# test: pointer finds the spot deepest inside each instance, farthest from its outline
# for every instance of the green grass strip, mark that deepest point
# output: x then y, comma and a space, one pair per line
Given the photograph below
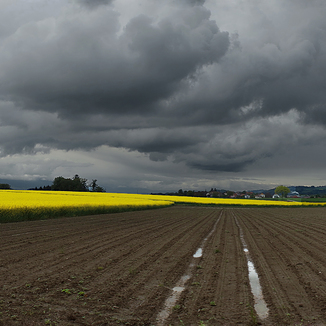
42, 213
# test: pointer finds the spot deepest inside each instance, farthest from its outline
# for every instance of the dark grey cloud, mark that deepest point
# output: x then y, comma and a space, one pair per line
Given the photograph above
83, 67
94, 3
217, 89
195, 2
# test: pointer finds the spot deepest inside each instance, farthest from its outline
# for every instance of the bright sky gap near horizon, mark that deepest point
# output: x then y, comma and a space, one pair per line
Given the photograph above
154, 96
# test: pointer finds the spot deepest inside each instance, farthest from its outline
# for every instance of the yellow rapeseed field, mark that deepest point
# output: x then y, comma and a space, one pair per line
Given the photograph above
235, 202
16, 205
20, 198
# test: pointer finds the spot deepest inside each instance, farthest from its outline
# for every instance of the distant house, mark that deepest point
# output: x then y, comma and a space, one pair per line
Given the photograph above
293, 194
247, 196
276, 196
262, 195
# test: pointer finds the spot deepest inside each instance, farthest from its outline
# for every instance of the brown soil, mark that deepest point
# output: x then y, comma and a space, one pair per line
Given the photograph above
120, 268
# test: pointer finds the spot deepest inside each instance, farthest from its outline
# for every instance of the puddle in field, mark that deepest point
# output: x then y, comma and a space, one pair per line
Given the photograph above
173, 298
198, 253
171, 301
260, 304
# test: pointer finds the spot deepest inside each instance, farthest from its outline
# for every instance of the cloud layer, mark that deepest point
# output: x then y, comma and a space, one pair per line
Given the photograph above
212, 86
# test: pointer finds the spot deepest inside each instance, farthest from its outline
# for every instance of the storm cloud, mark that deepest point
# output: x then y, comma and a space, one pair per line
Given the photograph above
94, 3
207, 85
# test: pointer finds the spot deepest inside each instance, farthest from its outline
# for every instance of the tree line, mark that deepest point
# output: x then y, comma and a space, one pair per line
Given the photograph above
72, 184
5, 186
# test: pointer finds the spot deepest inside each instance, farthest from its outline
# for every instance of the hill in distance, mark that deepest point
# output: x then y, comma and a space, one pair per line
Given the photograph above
302, 190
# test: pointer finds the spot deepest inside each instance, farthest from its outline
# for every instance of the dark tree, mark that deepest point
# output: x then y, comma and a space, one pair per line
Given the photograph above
79, 184
93, 184
99, 189
4, 186
67, 184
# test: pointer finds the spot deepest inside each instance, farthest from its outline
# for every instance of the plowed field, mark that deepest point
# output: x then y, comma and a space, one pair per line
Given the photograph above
121, 268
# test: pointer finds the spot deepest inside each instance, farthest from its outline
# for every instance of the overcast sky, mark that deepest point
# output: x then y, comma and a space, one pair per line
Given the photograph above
154, 96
